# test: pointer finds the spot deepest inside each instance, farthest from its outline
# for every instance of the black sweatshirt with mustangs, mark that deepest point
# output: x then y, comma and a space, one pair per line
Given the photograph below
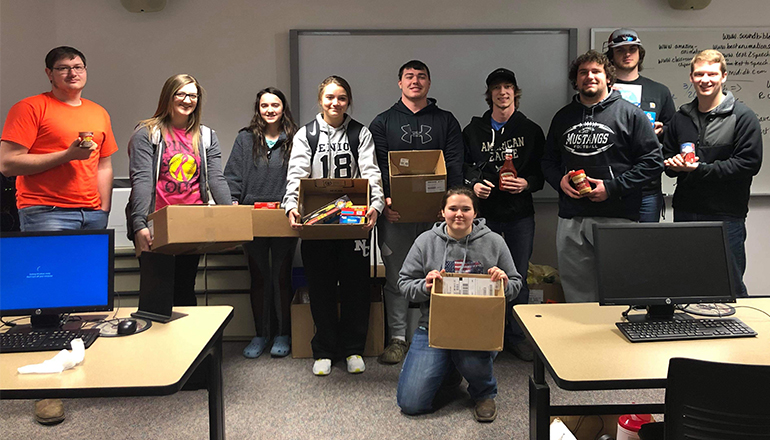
613, 141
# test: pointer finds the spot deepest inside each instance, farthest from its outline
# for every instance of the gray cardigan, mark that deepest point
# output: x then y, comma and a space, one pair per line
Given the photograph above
145, 151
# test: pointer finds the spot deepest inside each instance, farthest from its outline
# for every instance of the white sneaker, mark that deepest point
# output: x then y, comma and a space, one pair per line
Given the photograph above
322, 367
355, 364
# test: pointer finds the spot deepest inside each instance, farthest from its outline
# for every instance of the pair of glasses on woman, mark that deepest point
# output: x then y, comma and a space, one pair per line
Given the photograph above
182, 96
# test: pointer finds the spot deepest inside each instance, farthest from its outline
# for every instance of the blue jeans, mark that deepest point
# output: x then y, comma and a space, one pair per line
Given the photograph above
52, 218
425, 369
736, 239
519, 236
651, 207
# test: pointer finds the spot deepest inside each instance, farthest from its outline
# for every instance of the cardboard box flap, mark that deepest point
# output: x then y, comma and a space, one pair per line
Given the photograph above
438, 284
413, 162
334, 184
315, 193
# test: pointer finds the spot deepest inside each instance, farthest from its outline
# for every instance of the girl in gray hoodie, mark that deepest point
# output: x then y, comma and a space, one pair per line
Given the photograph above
462, 244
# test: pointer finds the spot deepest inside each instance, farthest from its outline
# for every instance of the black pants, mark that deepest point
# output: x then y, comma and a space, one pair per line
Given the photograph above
270, 261
327, 263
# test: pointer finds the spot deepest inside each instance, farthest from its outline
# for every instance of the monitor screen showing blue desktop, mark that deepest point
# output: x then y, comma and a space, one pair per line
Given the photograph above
45, 273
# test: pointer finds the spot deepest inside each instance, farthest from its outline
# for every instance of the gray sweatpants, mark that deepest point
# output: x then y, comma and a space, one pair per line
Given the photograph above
577, 259
395, 240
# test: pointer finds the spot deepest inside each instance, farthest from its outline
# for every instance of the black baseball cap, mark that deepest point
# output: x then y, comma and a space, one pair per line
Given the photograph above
501, 75
623, 37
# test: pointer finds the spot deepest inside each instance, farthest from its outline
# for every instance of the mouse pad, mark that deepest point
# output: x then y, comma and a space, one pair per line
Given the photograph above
110, 328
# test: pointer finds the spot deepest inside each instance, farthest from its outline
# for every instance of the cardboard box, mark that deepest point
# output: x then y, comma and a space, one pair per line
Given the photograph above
271, 223
303, 328
198, 229
544, 293
417, 184
314, 193
466, 322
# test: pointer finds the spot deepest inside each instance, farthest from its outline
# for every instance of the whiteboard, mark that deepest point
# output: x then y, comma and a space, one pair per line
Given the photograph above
747, 52
459, 62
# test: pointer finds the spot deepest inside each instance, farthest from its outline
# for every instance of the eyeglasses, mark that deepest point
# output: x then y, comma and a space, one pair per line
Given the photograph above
66, 69
182, 96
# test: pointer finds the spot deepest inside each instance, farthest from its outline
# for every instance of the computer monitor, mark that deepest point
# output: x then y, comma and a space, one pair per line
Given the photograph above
663, 265
48, 274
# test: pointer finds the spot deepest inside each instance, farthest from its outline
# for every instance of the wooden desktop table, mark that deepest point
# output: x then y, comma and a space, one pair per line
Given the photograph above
155, 362
583, 350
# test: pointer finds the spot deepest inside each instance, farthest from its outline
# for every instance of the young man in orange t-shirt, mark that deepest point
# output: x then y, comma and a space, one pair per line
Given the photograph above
62, 183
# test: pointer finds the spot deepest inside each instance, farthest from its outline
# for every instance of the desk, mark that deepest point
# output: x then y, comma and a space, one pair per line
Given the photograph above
583, 350
155, 362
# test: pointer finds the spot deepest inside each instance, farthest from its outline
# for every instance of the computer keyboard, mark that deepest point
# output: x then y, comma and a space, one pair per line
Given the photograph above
45, 340
674, 330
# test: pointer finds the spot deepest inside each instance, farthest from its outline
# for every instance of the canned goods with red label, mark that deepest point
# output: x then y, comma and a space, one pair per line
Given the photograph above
688, 152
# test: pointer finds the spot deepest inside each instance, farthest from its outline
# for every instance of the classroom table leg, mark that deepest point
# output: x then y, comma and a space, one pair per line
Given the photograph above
215, 389
539, 402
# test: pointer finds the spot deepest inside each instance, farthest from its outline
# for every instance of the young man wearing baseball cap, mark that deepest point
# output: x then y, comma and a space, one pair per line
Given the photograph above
626, 53
506, 203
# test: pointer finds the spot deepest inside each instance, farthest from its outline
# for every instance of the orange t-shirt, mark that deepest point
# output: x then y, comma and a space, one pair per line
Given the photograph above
43, 124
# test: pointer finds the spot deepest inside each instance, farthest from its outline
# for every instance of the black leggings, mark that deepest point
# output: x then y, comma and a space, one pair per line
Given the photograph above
270, 261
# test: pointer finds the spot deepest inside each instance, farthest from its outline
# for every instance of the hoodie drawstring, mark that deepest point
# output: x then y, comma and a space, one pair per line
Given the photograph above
465, 250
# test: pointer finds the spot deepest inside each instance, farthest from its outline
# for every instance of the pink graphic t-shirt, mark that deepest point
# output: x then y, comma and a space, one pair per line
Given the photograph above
178, 180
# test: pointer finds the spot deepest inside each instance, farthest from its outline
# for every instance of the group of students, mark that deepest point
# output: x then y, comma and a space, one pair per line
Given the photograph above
175, 159
267, 161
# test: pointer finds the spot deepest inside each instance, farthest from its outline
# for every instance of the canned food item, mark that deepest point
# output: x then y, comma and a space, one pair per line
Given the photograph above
578, 177
86, 139
688, 152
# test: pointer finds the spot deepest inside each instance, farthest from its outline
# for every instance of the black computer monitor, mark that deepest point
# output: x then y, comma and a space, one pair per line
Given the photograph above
663, 265
49, 274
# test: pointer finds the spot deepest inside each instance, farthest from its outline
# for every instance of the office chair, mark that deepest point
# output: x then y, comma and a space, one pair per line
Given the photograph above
714, 401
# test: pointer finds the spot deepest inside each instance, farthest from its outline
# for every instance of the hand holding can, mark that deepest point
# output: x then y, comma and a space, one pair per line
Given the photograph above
86, 139
578, 178
687, 150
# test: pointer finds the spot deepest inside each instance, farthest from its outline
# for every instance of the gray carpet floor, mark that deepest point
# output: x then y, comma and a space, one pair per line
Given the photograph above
270, 398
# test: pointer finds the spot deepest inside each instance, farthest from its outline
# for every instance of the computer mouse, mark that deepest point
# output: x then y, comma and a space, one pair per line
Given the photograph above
127, 327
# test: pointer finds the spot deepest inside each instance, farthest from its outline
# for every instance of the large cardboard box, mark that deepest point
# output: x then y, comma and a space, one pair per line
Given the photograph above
466, 322
417, 184
303, 327
545, 293
271, 223
198, 229
315, 193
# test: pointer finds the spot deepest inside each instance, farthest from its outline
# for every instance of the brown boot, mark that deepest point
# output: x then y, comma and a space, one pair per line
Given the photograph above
49, 411
395, 352
485, 411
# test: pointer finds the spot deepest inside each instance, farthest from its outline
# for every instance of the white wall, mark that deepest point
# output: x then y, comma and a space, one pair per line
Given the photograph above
235, 47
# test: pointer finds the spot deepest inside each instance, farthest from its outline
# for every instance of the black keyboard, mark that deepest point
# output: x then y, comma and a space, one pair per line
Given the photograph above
45, 340
675, 330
